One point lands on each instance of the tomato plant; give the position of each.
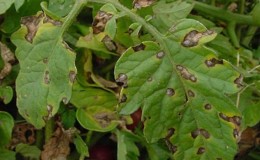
(165, 79)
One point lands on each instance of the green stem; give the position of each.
(223, 14)
(231, 28)
(70, 18)
(49, 129)
(241, 6)
(248, 36)
(39, 139)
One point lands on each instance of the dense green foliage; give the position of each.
(142, 79)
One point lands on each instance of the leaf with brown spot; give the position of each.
(47, 69)
(182, 70)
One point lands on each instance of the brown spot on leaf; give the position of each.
(49, 20)
(191, 93)
(31, 23)
(46, 77)
(201, 150)
(149, 79)
(170, 92)
(109, 43)
(223, 116)
(195, 133)
(8, 58)
(123, 98)
(104, 119)
(58, 146)
(238, 81)
(235, 120)
(212, 62)
(72, 76)
(186, 74)
(122, 79)
(142, 3)
(170, 133)
(236, 133)
(170, 146)
(193, 37)
(139, 47)
(201, 132)
(208, 106)
(45, 60)
(65, 100)
(204, 133)
(100, 21)
(160, 55)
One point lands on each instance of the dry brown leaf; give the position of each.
(57, 148)
(8, 58)
(142, 3)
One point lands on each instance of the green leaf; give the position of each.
(81, 146)
(97, 118)
(6, 127)
(68, 116)
(28, 151)
(5, 5)
(6, 94)
(57, 8)
(83, 97)
(184, 90)
(127, 149)
(94, 42)
(47, 69)
(6, 154)
(166, 14)
(110, 27)
(251, 115)
(96, 108)
(18, 4)
(158, 150)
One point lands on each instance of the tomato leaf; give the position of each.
(6, 126)
(127, 149)
(182, 87)
(47, 69)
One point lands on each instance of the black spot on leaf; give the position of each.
(149, 79)
(160, 55)
(170, 92)
(201, 150)
(208, 106)
(193, 37)
(139, 47)
(212, 62)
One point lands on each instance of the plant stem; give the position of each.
(79, 4)
(231, 28)
(223, 14)
(49, 129)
